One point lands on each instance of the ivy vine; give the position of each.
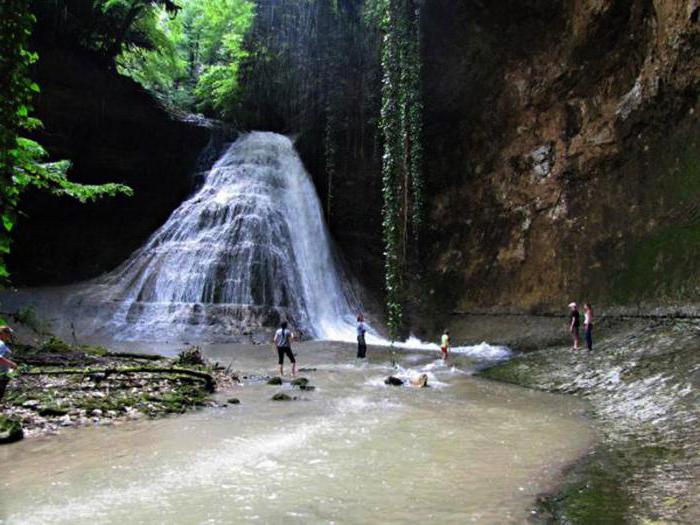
(401, 125)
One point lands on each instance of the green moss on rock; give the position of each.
(10, 430)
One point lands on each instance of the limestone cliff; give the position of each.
(563, 152)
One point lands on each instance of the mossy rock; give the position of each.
(234, 401)
(281, 396)
(191, 357)
(52, 410)
(54, 344)
(300, 381)
(10, 430)
(275, 381)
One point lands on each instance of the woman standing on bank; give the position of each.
(588, 325)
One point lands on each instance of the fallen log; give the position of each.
(209, 382)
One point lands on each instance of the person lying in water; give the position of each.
(420, 381)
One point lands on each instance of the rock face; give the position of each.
(562, 141)
(112, 131)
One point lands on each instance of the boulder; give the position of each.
(275, 381)
(300, 381)
(234, 401)
(393, 381)
(281, 396)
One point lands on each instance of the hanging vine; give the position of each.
(401, 122)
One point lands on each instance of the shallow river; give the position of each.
(465, 450)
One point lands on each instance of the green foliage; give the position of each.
(401, 123)
(193, 58)
(22, 160)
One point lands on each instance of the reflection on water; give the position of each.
(352, 451)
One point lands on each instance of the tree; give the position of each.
(193, 58)
(22, 160)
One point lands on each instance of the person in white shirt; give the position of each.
(283, 342)
(6, 363)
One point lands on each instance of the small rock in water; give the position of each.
(393, 381)
(31, 403)
(281, 396)
(307, 370)
(300, 381)
(275, 381)
(308, 388)
(234, 401)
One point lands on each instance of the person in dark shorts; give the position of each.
(6, 363)
(283, 342)
(361, 331)
(588, 325)
(574, 324)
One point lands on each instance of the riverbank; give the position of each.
(61, 386)
(641, 382)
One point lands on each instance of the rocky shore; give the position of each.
(61, 385)
(641, 382)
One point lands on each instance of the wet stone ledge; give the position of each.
(641, 382)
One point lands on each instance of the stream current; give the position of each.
(464, 450)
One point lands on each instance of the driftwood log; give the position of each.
(209, 382)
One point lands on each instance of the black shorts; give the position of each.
(281, 350)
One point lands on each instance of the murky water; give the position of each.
(352, 451)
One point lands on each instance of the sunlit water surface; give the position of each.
(465, 450)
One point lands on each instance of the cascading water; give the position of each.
(248, 248)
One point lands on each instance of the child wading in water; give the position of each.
(283, 342)
(588, 325)
(574, 324)
(445, 344)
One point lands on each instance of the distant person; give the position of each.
(574, 324)
(361, 331)
(6, 364)
(445, 344)
(588, 325)
(283, 342)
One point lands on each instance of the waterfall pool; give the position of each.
(466, 450)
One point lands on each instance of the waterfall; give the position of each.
(248, 249)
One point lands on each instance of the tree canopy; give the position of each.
(193, 55)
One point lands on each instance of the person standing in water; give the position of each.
(6, 363)
(283, 342)
(361, 331)
(445, 344)
(588, 325)
(574, 324)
